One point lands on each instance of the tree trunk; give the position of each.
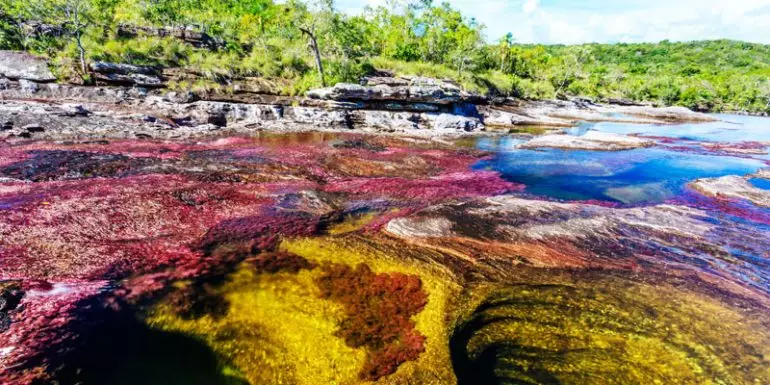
(82, 53)
(316, 53)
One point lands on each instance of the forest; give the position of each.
(298, 45)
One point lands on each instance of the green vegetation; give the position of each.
(303, 44)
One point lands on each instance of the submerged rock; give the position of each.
(733, 186)
(592, 140)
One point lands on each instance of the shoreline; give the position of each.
(60, 111)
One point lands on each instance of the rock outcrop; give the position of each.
(133, 100)
(188, 34)
(591, 140)
(732, 186)
(126, 74)
(23, 66)
(409, 90)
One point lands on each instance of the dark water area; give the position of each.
(639, 176)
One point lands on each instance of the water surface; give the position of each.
(647, 175)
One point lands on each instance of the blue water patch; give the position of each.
(764, 184)
(730, 129)
(649, 175)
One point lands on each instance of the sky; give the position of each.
(610, 21)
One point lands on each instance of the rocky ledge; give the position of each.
(591, 140)
(134, 101)
(734, 187)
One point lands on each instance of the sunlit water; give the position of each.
(648, 175)
(730, 129)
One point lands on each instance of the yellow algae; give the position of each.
(611, 331)
(352, 223)
(275, 331)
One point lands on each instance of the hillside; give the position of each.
(213, 42)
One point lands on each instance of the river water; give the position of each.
(640, 176)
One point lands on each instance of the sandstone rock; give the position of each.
(181, 97)
(21, 65)
(451, 122)
(127, 74)
(414, 90)
(732, 186)
(75, 110)
(28, 86)
(763, 174)
(188, 34)
(592, 140)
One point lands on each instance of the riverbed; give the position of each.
(317, 258)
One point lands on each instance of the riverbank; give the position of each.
(58, 111)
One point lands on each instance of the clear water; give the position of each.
(649, 175)
(764, 184)
(731, 129)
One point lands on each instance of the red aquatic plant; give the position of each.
(379, 310)
(281, 262)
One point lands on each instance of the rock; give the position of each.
(33, 128)
(8, 125)
(11, 294)
(21, 65)
(624, 102)
(592, 140)
(762, 174)
(127, 74)
(451, 122)
(181, 97)
(732, 186)
(188, 34)
(75, 110)
(28, 86)
(413, 90)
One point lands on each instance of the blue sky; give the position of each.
(576, 21)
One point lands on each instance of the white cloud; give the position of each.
(569, 21)
(530, 6)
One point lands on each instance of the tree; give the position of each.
(75, 14)
(504, 48)
(309, 19)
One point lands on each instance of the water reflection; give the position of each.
(649, 175)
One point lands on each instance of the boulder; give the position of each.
(451, 122)
(127, 74)
(21, 65)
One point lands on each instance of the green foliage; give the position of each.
(263, 38)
